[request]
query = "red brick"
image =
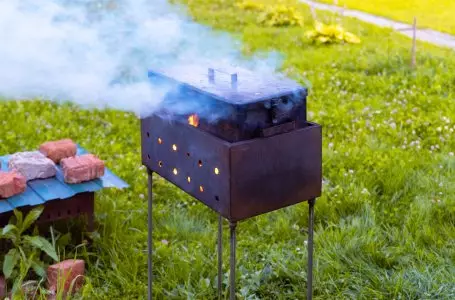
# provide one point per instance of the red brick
(58, 150)
(11, 183)
(82, 168)
(64, 273)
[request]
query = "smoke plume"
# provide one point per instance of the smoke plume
(96, 53)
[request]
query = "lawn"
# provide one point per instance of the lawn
(430, 14)
(385, 222)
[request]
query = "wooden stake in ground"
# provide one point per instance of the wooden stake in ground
(414, 37)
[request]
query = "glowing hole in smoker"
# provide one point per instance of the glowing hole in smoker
(175, 171)
(160, 141)
(188, 179)
(193, 120)
(174, 147)
(201, 188)
(160, 163)
(217, 171)
(200, 163)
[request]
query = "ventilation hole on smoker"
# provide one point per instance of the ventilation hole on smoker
(175, 171)
(69, 212)
(160, 141)
(160, 163)
(217, 198)
(200, 163)
(201, 188)
(188, 179)
(174, 147)
(148, 134)
(217, 171)
(148, 156)
(188, 154)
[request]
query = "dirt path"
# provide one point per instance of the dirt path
(426, 35)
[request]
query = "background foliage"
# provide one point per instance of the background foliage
(384, 225)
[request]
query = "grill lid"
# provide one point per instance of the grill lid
(235, 86)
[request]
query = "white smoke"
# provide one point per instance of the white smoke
(97, 53)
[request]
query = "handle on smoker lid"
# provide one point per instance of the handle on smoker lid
(234, 77)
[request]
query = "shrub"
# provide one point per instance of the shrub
(330, 34)
(280, 15)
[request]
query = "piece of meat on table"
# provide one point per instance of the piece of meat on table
(82, 168)
(58, 150)
(11, 183)
(32, 165)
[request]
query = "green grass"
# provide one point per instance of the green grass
(429, 13)
(385, 222)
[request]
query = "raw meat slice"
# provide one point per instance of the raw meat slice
(57, 150)
(82, 168)
(32, 165)
(11, 183)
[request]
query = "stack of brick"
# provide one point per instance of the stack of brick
(26, 166)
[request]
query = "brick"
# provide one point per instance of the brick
(58, 150)
(82, 168)
(62, 275)
(32, 165)
(11, 183)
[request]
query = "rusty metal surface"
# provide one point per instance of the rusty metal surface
(283, 128)
(54, 210)
(233, 112)
(254, 176)
(271, 173)
(196, 156)
(80, 204)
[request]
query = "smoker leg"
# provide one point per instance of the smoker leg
(150, 231)
(310, 249)
(90, 222)
(220, 255)
(232, 226)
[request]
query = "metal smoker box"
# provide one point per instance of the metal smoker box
(238, 180)
(232, 106)
(257, 155)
